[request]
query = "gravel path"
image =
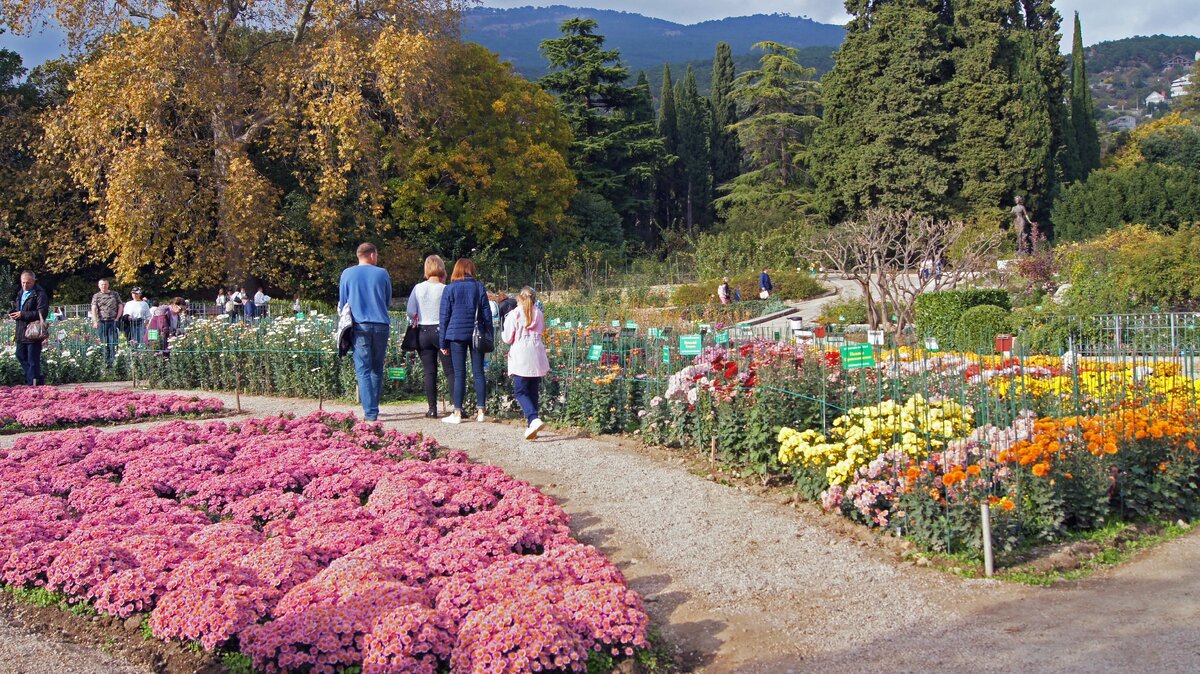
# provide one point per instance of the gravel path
(739, 583)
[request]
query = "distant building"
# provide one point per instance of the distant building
(1155, 98)
(1181, 86)
(1178, 62)
(1123, 123)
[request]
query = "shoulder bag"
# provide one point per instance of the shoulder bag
(37, 331)
(411, 338)
(483, 341)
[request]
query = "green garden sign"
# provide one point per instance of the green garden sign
(595, 351)
(299, 315)
(554, 322)
(397, 373)
(630, 325)
(722, 338)
(667, 355)
(856, 356)
(152, 335)
(654, 333)
(616, 324)
(690, 345)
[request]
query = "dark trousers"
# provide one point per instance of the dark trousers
(427, 348)
(29, 355)
(108, 337)
(458, 361)
(525, 390)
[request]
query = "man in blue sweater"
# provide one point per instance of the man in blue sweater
(367, 288)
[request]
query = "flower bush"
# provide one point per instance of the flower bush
(312, 545)
(24, 408)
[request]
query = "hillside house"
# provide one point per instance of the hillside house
(1155, 98)
(1123, 123)
(1181, 86)
(1177, 62)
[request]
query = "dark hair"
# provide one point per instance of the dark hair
(365, 249)
(462, 269)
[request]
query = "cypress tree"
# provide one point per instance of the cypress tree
(1085, 139)
(694, 128)
(886, 137)
(668, 131)
(726, 154)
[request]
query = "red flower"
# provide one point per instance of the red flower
(731, 369)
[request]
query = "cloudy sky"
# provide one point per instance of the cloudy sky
(1102, 19)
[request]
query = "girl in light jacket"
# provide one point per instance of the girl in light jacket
(527, 362)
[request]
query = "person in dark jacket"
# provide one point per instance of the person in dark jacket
(31, 304)
(464, 305)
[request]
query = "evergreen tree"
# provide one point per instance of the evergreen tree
(777, 105)
(1085, 140)
(645, 145)
(695, 126)
(886, 137)
(614, 150)
(726, 154)
(668, 131)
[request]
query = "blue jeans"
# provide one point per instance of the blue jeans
(458, 360)
(370, 347)
(29, 355)
(108, 337)
(525, 390)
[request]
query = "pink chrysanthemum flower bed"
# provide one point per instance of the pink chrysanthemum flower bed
(32, 407)
(310, 545)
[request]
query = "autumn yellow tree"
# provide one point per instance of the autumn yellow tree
(181, 103)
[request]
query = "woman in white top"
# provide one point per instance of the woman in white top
(424, 309)
(527, 362)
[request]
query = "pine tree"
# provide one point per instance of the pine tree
(644, 144)
(726, 154)
(1085, 139)
(695, 126)
(668, 175)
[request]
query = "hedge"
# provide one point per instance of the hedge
(789, 285)
(978, 327)
(938, 313)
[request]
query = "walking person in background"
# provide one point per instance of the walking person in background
(296, 308)
(367, 289)
(464, 307)
(723, 292)
(425, 311)
(221, 300)
(31, 304)
(137, 310)
(247, 303)
(106, 309)
(764, 284)
(527, 361)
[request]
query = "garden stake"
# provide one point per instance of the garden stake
(237, 389)
(988, 562)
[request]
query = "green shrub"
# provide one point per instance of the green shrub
(789, 285)
(937, 313)
(978, 327)
(853, 311)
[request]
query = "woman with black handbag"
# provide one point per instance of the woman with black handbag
(424, 318)
(29, 311)
(465, 326)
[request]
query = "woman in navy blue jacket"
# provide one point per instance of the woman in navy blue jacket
(464, 305)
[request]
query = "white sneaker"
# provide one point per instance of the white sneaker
(535, 427)
(479, 417)
(454, 418)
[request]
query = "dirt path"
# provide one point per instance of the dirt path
(739, 583)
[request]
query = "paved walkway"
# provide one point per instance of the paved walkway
(740, 583)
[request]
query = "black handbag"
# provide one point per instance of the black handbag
(482, 340)
(411, 339)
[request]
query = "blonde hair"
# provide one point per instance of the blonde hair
(525, 300)
(434, 266)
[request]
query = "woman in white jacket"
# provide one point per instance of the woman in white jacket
(527, 362)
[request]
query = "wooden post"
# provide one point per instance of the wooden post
(237, 387)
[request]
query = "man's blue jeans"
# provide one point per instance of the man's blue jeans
(458, 359)
(370, 347)
(108, 338)
(29, 355)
